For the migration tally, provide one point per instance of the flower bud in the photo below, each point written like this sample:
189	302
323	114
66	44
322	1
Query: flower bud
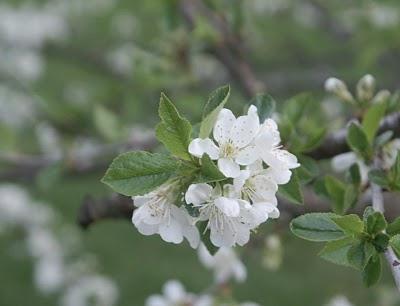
381	96
339	88
366	88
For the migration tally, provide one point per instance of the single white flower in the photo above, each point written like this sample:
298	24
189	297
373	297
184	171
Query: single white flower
230	219
257	185
279	161
157	214
225	264
235	141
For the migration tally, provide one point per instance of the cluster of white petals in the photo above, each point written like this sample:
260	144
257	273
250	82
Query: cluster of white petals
248	153
53	271
174	294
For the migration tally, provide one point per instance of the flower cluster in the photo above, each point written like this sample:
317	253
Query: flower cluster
249	155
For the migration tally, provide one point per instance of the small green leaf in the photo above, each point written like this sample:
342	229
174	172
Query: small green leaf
215	103
308	169
360	253
381	242
395	170
350	224
173	131
336	191
136	173
351	194
367	212
317	227
355	175
292	190
394	227
205	237
372	271
336	251
376	223
265	106
372	119
394	242
209	172
358	141
378	177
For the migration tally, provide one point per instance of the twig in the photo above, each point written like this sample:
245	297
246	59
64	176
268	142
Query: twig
378	205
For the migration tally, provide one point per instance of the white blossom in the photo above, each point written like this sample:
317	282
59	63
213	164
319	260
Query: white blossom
339	88
339	301
156	213
225	264
230	219
235	141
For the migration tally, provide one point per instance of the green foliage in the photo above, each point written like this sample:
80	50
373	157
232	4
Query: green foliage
389	179
376	223
372	271
336	192
393	228
350	224
336	251
395	244
292	190
215	103
317	227
372	119
265	105
308	169
107	123
209	172
358	141
174	131
360	253
136	173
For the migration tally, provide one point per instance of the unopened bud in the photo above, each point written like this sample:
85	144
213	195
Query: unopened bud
366	88
339	88
381	96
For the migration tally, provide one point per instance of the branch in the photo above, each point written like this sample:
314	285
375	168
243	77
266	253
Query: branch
378	205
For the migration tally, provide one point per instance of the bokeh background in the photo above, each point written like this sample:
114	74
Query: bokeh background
80	81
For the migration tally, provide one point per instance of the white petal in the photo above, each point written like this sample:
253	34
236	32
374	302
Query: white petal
205	257
198	147
229	207
256	167
221	235
247	156
223	125
171	231
280	176
268	135
238	182
174	291
146	229
190	231
264	187
198	194
243	234
147	215
280	159
156	300
244	130
342	162
228	167
140	200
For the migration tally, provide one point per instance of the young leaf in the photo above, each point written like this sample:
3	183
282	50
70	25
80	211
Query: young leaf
355	175
372	271
209	172
265	105
336	191
394	227
358	141
215	103
360	253
350	224
292	190
308	169
372	119
378	177
376	223
395	244
135	173
351	194
317	227
336	251
173	131
381	242
367	212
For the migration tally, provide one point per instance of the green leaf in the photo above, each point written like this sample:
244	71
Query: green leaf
372	271
367	212
107	123
395	170
351	194
317	227
355	175
292	190
173	131
265	106
376	223
358	141
209	172
205	237
350	224
381	242
378	177
360	253
372	119
308	169
215	103
394	227
137	173
336	251
394	242
336	191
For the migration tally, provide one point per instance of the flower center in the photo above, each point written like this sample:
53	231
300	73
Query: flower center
228	150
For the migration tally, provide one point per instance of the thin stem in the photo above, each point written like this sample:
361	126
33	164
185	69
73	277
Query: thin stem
378	205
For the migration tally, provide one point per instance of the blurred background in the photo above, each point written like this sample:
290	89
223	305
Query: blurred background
80	82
